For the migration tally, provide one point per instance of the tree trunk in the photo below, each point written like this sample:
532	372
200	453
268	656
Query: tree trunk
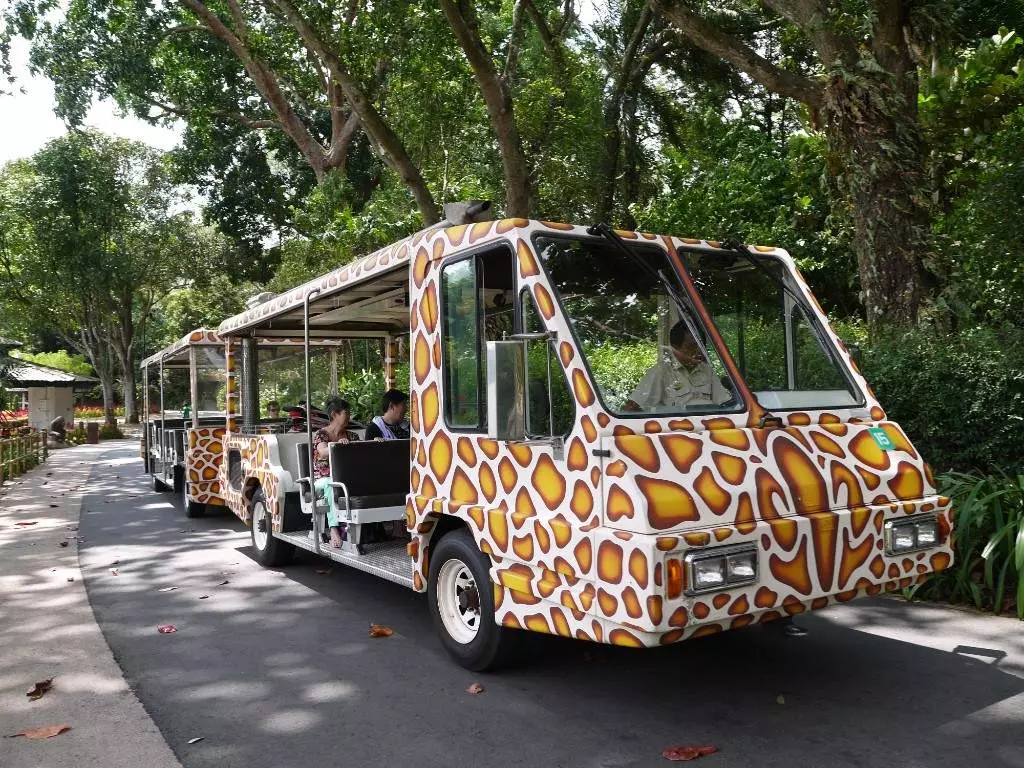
131	411
462	17
877	160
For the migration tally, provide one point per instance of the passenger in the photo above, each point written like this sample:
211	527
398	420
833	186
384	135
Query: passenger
298	418
336	431
391	424
686	380
273	410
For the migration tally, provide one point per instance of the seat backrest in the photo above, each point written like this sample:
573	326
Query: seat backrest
371	468
286	452
302	459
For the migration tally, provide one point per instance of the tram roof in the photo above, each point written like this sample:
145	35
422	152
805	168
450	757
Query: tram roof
178	351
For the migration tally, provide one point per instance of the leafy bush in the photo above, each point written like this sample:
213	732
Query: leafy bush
989	544
959	396
111	433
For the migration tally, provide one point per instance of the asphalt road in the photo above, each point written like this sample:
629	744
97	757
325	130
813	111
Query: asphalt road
275	668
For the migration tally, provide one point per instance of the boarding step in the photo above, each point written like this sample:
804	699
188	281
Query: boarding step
387	559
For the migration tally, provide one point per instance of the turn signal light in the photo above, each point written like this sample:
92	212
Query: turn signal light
674	587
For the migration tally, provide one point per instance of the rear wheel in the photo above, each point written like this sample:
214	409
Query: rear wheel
270	551
179	479
462	604
192	508
158	484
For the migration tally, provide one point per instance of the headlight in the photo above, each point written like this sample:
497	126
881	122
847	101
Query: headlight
912	533
720	568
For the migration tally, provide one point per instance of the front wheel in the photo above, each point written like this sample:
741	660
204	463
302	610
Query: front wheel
462	605
270	551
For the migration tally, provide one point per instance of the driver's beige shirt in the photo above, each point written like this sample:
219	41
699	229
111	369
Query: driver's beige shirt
670	384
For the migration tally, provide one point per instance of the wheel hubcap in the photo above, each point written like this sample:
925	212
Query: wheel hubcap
260	536
458	601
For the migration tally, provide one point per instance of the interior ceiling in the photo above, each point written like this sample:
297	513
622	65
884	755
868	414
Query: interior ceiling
379	305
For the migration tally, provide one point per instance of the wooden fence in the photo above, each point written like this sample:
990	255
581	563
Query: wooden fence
20	454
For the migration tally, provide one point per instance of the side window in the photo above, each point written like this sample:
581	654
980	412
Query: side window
478	306
561	406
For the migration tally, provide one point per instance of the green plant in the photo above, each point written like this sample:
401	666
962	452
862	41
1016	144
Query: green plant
988	541
111	433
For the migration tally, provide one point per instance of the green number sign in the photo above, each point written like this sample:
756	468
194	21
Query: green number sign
883	440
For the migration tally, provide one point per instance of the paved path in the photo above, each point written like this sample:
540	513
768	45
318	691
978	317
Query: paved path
275	669
47	629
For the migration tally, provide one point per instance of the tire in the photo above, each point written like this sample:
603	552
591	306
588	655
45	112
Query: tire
270	551
179	479
470	635
159	485
192	508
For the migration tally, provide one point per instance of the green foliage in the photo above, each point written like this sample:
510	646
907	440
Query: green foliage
988	541
61	360
959	396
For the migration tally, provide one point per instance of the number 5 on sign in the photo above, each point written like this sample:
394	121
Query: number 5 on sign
883	440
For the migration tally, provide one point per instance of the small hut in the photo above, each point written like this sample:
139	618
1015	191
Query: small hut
50	391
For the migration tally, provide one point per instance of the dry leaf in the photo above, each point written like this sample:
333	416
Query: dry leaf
54	506
223	583
43	732
62	543
71	578
40	689
167	589
379	630
203	597
475	688
113	572
26	523
166	629
679	754
780	699
196	740
323	571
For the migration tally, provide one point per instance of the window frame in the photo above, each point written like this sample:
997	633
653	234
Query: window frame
481	365
817	329
524	290
739	408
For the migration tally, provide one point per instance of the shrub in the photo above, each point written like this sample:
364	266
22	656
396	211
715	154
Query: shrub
959	396
111	433
989	543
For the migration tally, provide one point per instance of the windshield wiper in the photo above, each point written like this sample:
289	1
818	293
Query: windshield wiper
738	248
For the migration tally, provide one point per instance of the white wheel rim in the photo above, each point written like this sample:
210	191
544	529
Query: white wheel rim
259	521
458	601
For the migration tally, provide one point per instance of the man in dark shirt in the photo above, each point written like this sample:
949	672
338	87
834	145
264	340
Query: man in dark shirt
391	424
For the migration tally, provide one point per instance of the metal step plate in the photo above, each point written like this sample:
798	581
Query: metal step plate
388	560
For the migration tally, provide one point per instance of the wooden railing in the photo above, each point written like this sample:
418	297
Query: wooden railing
20	454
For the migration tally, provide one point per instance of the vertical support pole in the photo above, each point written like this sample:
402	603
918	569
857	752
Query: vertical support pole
309	417
390	353
160	431
230	387
250	385
193	384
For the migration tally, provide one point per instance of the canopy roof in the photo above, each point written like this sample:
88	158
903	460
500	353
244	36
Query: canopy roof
22	373
178	351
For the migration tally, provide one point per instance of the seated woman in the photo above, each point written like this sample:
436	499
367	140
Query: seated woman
336	431
391	424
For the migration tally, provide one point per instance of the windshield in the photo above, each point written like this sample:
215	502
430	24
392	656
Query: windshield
647	355
781	351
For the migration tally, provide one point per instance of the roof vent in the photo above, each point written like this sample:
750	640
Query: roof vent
467	212
259	298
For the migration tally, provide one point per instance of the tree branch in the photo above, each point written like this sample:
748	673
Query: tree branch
710	38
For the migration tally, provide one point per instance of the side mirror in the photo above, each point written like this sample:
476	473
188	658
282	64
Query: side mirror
506	390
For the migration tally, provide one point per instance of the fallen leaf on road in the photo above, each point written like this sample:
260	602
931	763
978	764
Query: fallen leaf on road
166	629
26	523
780	699
323	571
113	572
71	578
167	589
203	597
475	688
39	689
379	630
196	740
54	506
43	732
677	754
223	583
62	543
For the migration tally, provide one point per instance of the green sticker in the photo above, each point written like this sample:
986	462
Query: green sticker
883	440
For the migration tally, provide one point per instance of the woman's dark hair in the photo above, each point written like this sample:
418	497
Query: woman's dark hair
335	405
392	397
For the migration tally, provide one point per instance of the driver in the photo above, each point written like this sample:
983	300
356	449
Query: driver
685	380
